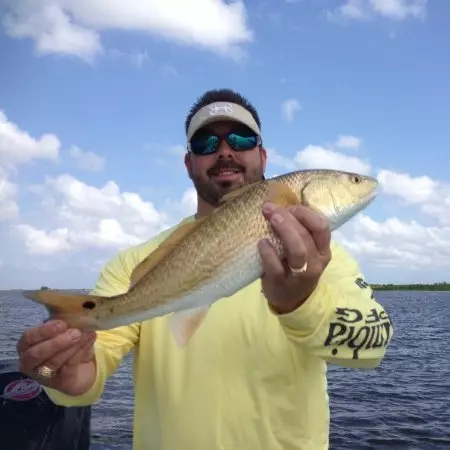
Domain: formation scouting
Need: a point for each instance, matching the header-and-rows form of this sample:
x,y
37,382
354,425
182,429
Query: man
x,y
254,375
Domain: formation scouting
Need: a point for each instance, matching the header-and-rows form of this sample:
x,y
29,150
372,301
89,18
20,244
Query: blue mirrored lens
x,y
239,142
205,146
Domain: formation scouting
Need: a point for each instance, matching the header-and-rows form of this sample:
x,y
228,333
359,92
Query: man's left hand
x,y
305,236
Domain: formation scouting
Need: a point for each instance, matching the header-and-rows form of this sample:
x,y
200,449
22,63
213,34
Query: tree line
x,y
411,287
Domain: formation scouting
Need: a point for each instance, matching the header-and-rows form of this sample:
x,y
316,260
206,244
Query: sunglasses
x,y
208,145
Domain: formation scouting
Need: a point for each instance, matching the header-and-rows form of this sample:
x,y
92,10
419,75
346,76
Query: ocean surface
x,y
403,404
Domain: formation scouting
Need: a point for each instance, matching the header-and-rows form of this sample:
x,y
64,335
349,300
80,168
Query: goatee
x,y
212,193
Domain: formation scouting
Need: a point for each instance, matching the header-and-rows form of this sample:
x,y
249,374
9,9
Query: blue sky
x,y
93,103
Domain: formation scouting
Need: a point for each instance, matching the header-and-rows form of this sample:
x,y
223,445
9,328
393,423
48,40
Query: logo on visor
x,y
218,108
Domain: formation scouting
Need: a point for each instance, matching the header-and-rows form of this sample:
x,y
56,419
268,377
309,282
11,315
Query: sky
x,y
94,94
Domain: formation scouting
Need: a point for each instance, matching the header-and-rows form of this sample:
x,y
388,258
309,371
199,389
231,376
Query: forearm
x,y
342,327
340,321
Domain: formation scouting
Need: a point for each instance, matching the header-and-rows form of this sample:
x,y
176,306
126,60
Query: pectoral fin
x,y
282,195
184,324
311,194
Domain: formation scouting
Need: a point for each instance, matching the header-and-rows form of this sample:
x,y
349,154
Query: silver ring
x,y
302,269
46,372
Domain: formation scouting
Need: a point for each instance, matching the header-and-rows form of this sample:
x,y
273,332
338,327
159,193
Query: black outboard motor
x,y
30,421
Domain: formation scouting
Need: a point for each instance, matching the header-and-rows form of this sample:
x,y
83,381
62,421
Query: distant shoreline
x,y
441,287
437,287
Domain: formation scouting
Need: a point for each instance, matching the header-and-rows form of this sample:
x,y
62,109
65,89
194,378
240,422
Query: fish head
x,y
339,195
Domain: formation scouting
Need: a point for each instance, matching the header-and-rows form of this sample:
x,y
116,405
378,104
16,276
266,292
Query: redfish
x,y
213,257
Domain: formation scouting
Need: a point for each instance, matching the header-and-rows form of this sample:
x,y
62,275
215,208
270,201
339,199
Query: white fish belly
x,y
239,271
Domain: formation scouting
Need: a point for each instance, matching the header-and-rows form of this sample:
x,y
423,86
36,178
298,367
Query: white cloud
x,y
17,146
52,28
389,9
405,244
315,157
348,141
353,9
189,202
289,108
398,244
399,9
411,189
78,197
92,217
9,209
185,206
101,234
277,159
73,27
87,160
41,242
431,196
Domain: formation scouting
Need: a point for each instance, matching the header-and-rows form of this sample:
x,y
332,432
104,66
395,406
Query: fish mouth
x,y
369,198
366,200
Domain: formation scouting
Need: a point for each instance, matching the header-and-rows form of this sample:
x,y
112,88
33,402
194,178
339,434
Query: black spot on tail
x,y
89,305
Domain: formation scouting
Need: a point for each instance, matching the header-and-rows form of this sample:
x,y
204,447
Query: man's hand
x,y
305,236
69,354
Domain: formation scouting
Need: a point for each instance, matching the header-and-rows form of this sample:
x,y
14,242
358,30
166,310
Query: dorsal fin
x,y
163,250
281,194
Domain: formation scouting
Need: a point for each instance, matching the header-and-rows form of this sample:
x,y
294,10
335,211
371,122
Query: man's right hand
x,y
69,352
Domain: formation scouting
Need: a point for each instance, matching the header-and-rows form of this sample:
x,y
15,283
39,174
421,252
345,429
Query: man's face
x,y
219,173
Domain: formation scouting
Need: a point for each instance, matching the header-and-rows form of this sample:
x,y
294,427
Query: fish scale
x,y
225,233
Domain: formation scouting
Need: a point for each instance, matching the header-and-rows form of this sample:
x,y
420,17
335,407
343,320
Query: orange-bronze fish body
x,y
213,257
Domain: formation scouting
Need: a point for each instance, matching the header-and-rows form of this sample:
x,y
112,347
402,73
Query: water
x,y
403,404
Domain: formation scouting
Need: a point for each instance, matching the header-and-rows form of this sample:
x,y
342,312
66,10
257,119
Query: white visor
x,y
218,111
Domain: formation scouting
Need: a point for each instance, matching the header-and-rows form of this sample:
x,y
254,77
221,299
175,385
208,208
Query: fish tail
x,y
78,310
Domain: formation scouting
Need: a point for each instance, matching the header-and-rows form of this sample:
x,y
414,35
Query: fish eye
x,y
356,179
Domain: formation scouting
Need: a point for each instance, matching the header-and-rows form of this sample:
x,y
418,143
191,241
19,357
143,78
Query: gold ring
x,y
45,372
302,269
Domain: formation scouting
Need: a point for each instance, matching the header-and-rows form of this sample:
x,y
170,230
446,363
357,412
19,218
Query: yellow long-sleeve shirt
x,y
249,379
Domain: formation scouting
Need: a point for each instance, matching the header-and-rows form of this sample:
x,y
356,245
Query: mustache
x,y
225,165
